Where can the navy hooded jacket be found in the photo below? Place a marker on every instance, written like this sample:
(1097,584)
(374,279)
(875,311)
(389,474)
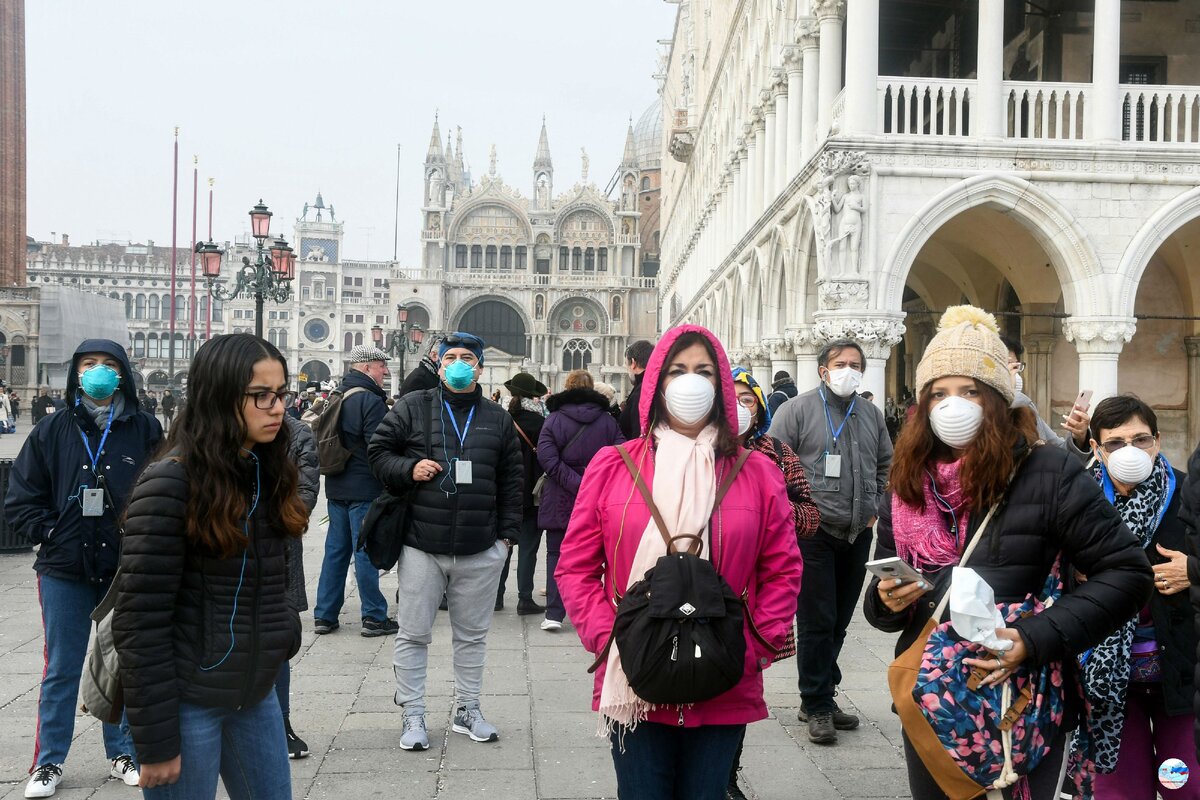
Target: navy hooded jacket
(44,502)
(361,414)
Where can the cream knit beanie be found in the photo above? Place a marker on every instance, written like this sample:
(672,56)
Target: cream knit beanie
(967,343)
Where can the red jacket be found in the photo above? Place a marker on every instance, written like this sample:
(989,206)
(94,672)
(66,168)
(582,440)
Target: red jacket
(753,541)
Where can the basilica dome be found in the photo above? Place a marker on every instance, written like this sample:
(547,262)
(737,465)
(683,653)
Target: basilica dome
(647,137)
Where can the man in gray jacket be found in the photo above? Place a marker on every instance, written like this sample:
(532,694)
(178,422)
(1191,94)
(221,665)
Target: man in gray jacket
(843,443)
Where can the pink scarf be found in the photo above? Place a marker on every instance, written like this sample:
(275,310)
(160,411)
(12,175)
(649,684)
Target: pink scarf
(923,537)
(684,490)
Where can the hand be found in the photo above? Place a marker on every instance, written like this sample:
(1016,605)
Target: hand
(871,522)
(159,774)
(1076,423)
(1171,577)
(898,595)
(1000,665)
(426,469)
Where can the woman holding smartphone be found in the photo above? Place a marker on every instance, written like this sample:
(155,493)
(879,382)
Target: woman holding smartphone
(202,620)
(963,451)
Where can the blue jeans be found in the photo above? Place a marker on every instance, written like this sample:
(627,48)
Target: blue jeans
(246,748)
(665,762)
(345,520)
(66,624)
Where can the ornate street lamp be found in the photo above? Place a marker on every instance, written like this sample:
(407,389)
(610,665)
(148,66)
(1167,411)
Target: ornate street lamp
(402,340)
(270,276)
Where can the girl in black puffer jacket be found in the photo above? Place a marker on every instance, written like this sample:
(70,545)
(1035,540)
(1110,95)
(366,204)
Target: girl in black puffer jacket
(202,621)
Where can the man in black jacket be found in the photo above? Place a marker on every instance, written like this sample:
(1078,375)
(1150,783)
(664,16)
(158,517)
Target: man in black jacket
(464,488)
(637,356)
(349,494)
(783,388)
(42,405)
(68,489)
(424,375)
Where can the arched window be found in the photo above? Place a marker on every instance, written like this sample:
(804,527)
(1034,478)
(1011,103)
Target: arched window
(645,184)
(139,345)
(476,256)
(179,351)
(589,260)
(576,354)
(520,257)
(603,265)
(153,314)
(282,338)
(616,307)
(180,308)
(348,341)
(490,254)
(460,256)
(271,337)
(139,307)
(152,350)
(164,307)
(576,259)
(204,307)
(358,339)
(218,315)
(128,306)
(564,259)
(505,257)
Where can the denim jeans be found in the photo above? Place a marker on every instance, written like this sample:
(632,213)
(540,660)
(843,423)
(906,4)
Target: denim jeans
(67,625)
(528,542)
(283,688)
(345,520)
(834,570)
(246,748)
(554,604)
(665,762)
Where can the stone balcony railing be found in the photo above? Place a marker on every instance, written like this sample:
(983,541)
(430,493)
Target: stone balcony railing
(517,278)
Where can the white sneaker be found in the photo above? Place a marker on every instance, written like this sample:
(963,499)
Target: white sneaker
(124,770)
(44,781)
(551,625)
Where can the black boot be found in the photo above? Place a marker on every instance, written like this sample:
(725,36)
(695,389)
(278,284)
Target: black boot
(297,747)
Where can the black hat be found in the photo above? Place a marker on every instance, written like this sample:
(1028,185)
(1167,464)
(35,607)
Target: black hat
(525,385)
(781,375)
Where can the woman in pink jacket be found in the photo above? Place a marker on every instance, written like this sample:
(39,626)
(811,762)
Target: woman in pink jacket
(690,418)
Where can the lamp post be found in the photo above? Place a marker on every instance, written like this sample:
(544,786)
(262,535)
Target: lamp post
(401,341)
(270,276)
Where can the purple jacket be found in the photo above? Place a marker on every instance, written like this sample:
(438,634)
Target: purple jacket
(570,411)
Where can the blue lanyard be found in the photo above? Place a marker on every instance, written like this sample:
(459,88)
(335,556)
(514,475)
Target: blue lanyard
(462,435)
(95,457)
(829,419)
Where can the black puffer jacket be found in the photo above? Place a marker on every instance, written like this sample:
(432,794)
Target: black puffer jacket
(471,517)
(1052,505)
(174,609)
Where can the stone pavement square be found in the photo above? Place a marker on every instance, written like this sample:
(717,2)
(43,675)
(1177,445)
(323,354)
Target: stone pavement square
(536,691)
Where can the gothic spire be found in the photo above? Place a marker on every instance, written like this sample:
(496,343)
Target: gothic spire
(435,143)
(542,160)
(629,160)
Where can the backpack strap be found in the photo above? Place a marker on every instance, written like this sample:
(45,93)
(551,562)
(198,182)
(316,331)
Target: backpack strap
(524,436)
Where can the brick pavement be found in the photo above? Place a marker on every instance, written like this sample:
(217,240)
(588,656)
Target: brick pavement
(535,690)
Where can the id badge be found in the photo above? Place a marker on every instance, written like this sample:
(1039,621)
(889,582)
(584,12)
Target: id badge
(462,472)
(93,502)
(833,465)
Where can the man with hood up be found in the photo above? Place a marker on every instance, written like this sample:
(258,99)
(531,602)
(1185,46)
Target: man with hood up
(68,489)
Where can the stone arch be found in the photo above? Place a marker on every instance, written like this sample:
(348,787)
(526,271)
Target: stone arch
(1054,227)
(464,213)
(605,322)
(520,313)
(584,204)
(1163,224)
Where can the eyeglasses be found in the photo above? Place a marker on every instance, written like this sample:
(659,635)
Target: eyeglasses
(1142,441)
(1016,366)
(747,401)
(265,401)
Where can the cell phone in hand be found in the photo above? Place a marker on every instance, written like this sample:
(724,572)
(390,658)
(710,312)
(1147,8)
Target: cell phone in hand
(1084,401)
(887,569)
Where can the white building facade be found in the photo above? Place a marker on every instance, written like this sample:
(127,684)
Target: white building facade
(853,167)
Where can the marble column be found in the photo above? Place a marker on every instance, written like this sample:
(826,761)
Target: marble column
(1104,109)
(760,365)
(806,348)
(768,148)
(791,101)
(862,66)
(989,116)
(1192,343)
(779,350)
(810,50)
(750,196)
(829,17)
(1099,341)
(779,95)
(760,166)
(1038,375)
(876,334)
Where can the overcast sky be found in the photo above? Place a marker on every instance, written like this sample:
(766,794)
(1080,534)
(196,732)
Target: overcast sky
(280,99)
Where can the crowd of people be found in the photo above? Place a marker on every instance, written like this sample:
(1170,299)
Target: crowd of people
(695,533)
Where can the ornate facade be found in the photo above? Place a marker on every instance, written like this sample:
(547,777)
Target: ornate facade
(1042,167)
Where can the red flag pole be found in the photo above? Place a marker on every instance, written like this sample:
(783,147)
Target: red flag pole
(174,231)
(192,302)
(208,316)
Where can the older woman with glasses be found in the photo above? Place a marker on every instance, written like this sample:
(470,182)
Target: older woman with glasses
(1139,680)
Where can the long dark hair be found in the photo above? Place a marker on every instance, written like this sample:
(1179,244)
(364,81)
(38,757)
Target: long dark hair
(727,440)
(208,436)
(988,459)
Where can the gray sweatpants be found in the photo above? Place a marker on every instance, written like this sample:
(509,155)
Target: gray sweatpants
(470,584)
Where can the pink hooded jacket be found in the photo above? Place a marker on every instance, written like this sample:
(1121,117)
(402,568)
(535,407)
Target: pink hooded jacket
(754,543)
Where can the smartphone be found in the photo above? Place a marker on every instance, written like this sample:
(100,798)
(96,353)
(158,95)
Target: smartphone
(1084,401)
(887,569)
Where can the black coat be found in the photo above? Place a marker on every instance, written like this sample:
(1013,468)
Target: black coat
(174,610)
(43,504)
(41,406)
(361,413)
(531,423)
(1052,505)
(423,376)
(630,419)
(1189,514)
(471,517)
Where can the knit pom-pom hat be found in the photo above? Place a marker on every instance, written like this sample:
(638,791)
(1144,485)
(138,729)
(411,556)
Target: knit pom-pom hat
(967,343)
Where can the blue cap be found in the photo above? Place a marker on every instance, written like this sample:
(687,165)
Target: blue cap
(459,339)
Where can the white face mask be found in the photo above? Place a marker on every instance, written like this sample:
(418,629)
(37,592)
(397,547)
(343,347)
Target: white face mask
(1018,381)
(845,381)
(955,421)
(745,419)
(689,397)
(1129,465)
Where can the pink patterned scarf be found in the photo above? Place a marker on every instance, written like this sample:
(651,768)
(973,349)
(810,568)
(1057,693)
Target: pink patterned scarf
(923,536)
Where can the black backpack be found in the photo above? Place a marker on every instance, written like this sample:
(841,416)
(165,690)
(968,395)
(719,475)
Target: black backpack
(327,429)
(680,630)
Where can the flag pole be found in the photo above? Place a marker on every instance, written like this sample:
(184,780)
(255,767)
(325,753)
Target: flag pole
(208,316)
(174,232)
(396,220)
(192,301)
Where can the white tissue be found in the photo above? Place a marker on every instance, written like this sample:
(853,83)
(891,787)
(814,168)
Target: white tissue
(973,611)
